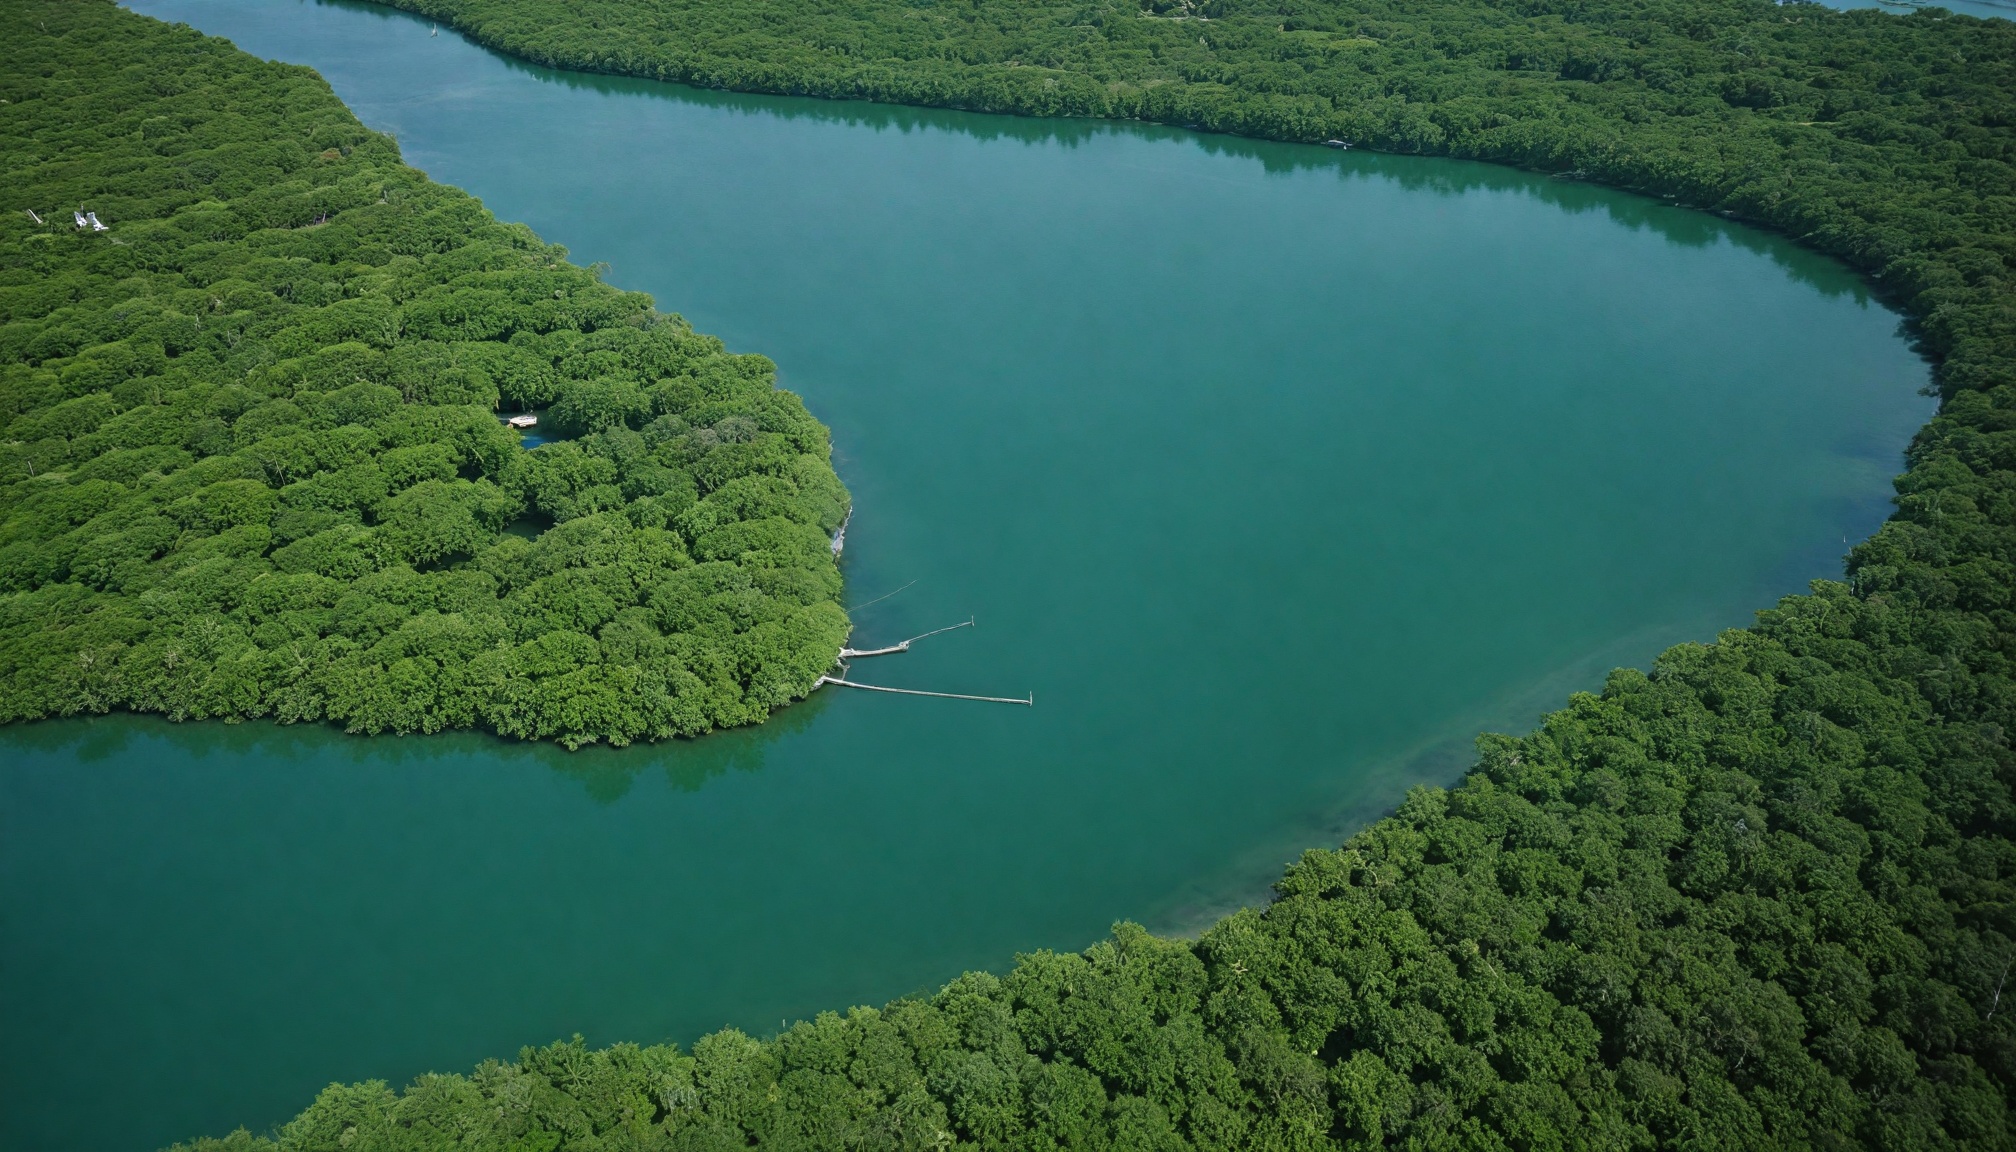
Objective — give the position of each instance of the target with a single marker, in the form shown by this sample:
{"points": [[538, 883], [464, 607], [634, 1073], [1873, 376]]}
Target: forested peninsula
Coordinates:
{"points": [[251, 463], [1757, 897]]}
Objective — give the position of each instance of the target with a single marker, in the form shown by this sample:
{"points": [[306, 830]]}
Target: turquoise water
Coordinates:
{"points": [[1274, 473]]}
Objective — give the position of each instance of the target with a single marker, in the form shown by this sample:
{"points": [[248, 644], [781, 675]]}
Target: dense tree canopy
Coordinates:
{"points": [[249, 463], [1759, 897]]}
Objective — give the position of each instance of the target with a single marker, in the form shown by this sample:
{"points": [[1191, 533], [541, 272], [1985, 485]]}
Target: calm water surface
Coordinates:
{"points": [[1274, 473]]}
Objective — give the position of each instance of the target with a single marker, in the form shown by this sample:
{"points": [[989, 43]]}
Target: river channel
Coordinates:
{"points": [[1274, 473]]}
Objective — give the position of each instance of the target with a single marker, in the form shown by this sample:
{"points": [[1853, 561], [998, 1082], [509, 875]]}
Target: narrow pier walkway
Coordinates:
{"points": [[847, 654], [1030, 701]]}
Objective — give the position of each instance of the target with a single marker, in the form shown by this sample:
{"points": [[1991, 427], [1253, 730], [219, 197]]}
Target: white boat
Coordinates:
{"points": [[525, 421]]}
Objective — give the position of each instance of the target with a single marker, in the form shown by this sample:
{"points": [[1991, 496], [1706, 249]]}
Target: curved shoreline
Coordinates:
{"points": [[1602, 757], [1673, 790], [1554, 151], [278, 405]]}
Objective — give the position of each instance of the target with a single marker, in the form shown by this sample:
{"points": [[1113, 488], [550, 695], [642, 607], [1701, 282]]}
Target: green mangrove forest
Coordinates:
{"points": [[250, 458], [1762, 896]]}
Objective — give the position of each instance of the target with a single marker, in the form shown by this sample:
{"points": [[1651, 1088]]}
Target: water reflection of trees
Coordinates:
{"points": [[606, 774], [1417, 174]]}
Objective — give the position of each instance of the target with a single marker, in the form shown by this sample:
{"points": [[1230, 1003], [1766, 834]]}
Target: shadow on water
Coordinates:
{"points": [[1686, 227], [605, 774]]}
